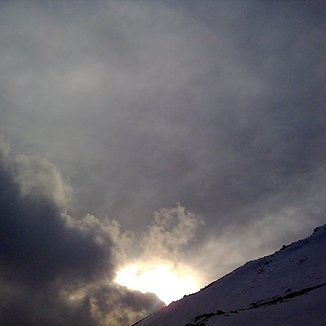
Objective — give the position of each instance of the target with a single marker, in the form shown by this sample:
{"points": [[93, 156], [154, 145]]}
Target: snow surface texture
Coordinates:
{"points": [[286, 288]]}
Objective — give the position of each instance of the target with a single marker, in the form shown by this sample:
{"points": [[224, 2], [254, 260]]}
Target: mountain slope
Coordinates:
{"points": [[286, 288]]}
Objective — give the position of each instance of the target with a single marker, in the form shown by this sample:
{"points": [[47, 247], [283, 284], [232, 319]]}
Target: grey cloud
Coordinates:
{"points": [[113, 305], [40, 175], [268, 225], [216, 104], [169, 233], [51, 263], [31, 229]]}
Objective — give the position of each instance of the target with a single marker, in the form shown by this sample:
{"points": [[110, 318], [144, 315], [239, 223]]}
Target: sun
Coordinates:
{"points": [[168, 281]]}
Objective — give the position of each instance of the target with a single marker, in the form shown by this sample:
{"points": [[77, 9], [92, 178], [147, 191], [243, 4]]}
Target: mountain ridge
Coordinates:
{"points": [[272, 290]]}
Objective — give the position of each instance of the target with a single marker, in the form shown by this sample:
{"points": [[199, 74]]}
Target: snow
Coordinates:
{"points": [[286, 288]]}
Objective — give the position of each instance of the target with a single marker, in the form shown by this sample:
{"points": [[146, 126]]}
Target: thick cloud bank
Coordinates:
{"points": [[218, 105], [55, 269]]}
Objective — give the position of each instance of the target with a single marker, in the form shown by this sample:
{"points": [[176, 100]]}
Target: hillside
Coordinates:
{"points": [[285, 288]]}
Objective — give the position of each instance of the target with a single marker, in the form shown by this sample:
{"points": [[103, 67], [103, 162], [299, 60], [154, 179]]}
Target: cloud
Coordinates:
{"points": [[170, 233], [39, 175], [55, 269], [160, 262], [108, 303], [216, 104], [272, 223]]}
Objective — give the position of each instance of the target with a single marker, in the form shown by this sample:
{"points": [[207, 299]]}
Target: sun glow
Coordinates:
{"points": [[168, 281]]}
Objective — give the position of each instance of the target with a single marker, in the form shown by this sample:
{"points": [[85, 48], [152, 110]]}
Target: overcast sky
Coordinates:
{"points": [[117, 109]]}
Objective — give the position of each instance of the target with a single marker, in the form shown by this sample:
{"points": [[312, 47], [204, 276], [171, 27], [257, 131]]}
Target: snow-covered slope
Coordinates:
{"points": [[286, 288]]}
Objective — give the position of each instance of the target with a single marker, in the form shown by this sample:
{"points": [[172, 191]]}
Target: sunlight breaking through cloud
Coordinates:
{"points": [[168, 281]]}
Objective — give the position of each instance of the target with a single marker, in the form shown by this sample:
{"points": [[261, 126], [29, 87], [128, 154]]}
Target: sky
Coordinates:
{"points": [[186, 135]]}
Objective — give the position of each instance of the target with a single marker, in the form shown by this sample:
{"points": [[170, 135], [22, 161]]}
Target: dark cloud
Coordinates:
{"points": [[218, 105], [35, 240], [47, 257]]}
